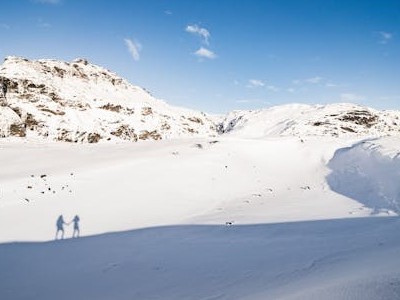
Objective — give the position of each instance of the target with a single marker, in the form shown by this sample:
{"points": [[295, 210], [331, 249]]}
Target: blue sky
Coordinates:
{"points": [[217, 56]]}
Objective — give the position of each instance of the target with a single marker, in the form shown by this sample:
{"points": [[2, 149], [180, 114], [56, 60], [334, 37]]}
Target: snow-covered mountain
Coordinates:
{"points": [[82, 102], [335, 120], [244, 215]]}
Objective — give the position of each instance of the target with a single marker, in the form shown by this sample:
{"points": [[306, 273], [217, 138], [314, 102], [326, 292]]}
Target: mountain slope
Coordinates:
{"points": [[82, 102], [337, 120]]}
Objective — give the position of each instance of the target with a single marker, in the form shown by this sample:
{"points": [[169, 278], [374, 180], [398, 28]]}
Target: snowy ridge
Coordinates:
{"points": [[82, 102], [368, 172], [335, 120]]}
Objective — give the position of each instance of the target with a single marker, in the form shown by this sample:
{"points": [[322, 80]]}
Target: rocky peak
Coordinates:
{"points": [[81, 102]]}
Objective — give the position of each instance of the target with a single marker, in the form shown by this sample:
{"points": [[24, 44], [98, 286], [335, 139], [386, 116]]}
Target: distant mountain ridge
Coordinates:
{"points": [[336, 120], [81, 102]]}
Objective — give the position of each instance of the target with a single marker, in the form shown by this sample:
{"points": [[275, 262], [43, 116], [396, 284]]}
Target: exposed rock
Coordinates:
{"points": [[145, 135], [93, 138], [66, 102], [126, 133], [17, 130], [147, 111]]}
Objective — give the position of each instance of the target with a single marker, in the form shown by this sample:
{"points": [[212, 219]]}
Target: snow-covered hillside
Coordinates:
{"points": [[301, 120], [290, 202], [224, 218], [82, 102]]}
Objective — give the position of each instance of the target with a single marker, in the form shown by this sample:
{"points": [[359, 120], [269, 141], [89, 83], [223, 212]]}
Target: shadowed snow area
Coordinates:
{"points": [[369, 172], [331, 259]]}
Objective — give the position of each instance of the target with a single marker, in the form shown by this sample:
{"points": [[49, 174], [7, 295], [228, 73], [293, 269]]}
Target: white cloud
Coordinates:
{"points": [[291, 90], [272, 88], [244, 101], [202, 32], [331, 85], [255, 83], [47, 1], [385, 37], [203, 52], [296, 81], [350, 97], [314, 80], [311, 80], [133, 48], [5, 26], [254, 101], [168, 12], [43, 24]]}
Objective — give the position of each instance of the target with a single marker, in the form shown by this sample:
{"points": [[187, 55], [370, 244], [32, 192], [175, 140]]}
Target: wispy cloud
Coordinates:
{"points": [[244, 101], [311, 80], [350, 97], [386, 98], [205, 53], [168, 12], [197, 30], [43, 24], [255, 101], [47, 1], [314, 80], [302, 84], [272, 88], [384, 37], [255, 83], [134, 48], [297, 81], [331, 85], [5, 26]]}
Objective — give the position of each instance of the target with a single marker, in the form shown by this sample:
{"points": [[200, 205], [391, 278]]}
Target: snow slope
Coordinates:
{"points": [[337, 120], [294, 235], [368, 172], [290, 202], [82, 102], [334, 259], [121, 187]]}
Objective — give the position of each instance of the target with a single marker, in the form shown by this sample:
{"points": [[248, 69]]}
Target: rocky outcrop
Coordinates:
{"points": [[83, 103], [341, 119]]}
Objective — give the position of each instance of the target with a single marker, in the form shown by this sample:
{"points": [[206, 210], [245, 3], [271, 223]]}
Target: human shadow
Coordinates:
{"points": [[76, 232], [60, 227]]}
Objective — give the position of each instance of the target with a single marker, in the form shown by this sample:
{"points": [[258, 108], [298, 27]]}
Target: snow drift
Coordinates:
{"points": [[369, 172]]}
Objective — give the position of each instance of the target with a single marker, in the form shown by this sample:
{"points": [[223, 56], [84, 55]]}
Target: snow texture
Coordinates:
{"points": [[291, 202]]}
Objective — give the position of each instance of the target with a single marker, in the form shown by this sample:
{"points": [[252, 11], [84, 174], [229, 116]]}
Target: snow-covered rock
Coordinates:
{"points": [[82, 102], [335, 120]]}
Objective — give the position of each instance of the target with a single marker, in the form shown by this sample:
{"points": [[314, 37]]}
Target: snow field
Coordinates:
{"points": [[153, 220], [202, 181]]}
